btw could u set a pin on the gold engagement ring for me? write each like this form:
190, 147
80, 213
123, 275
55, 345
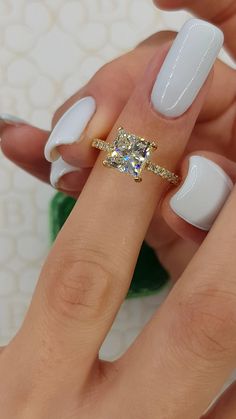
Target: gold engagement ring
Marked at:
131, 154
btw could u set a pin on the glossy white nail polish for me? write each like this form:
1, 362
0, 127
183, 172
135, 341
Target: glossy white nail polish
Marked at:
6, 118
203, 193
70, 127
60, 168
186, 67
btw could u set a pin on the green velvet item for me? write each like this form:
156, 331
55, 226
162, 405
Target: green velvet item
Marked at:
149, 275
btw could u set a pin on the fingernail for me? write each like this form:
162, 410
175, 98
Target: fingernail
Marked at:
70, 127
60, 168
6, 118
186, 67
203, 193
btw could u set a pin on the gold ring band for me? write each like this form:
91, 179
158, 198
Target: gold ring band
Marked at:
130, 154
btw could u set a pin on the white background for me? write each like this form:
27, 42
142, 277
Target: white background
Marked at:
48, 49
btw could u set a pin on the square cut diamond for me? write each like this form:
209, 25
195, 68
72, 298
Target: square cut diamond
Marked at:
129, 153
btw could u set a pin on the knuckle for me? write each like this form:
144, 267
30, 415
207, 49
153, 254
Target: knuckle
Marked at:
81, 290
207, 322
104, 72
110, 72
94, 87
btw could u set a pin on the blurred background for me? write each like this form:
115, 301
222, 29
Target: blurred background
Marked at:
48, 50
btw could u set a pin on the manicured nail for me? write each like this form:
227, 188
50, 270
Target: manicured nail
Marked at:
70, 127
6, 118
203, 193
186, 67
60, 168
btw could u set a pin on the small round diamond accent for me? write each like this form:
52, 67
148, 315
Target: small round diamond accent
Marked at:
162, 172
101, 145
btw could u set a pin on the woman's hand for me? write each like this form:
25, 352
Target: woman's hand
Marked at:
111, 87
183, 356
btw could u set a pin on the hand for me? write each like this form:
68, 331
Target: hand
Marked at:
214, 131
181, 359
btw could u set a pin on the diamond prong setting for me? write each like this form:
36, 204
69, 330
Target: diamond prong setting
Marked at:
129, 153
106, 164
154, 146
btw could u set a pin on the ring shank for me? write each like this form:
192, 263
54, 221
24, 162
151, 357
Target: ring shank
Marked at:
101, 144
162, 172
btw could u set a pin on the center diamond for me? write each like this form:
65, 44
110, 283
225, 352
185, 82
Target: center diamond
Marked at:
129, 153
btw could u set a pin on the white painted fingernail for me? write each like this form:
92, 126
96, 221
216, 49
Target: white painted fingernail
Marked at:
60, 168
186, 67
70, 127
6, 118
203, 193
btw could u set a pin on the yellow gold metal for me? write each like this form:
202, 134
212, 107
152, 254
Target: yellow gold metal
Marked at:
101, 145
162, 172
106, 164
119, 159
154, 146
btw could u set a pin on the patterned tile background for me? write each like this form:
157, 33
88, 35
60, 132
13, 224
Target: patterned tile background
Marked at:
48, 49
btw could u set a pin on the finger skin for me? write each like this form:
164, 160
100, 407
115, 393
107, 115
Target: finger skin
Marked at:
220, 12
73, 183
196, 328
24, 145
225, 406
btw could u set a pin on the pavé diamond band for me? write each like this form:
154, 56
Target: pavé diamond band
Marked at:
131, 154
